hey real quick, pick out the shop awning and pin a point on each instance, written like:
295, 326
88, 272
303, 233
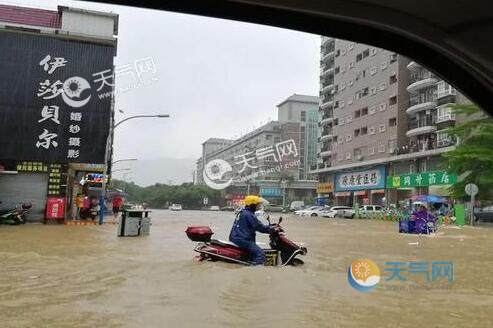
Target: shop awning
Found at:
360, 193
378, 191
342, 194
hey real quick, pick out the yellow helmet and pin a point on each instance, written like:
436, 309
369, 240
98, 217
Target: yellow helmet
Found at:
252, 200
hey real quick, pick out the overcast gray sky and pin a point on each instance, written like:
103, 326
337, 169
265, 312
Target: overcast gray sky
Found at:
216, 78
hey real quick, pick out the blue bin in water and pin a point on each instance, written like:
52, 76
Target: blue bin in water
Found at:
404, 226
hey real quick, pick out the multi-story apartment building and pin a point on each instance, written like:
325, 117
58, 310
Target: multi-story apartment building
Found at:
298, 120
428, 110
246, 156
231, 152
209, 146
362, 100
327, 92
381, 116
429, 115
270, 173
368, 99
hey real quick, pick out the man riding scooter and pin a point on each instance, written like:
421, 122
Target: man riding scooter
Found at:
244, 227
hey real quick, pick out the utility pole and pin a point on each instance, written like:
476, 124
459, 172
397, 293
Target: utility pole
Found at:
113, 125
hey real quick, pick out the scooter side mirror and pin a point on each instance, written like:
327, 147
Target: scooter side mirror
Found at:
280, 220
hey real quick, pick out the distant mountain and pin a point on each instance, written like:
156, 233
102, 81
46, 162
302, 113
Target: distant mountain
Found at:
162, 170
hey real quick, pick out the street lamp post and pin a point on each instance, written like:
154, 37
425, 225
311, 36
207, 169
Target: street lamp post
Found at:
110, 134
124, 160
140, 116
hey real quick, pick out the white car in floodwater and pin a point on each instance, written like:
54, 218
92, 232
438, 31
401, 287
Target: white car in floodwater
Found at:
311, 211
365, 211
175, 207
335, 211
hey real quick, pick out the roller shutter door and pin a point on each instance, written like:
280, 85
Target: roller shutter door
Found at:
25, 187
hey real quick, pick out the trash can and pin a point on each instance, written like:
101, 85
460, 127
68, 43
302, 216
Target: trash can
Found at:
134, 222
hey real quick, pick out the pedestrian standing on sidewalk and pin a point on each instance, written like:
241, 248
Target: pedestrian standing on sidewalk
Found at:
79, 203
117, 204
94, 208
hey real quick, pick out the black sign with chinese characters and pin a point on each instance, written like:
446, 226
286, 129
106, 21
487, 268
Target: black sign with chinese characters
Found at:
57, 181
55, 98
57, 175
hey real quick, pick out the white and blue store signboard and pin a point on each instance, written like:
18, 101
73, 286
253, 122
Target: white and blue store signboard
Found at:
271, 192
361, 180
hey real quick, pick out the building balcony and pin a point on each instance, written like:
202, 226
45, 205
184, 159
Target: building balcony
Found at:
326, 40
327, 88
326, 121
326, 137
446, 118
444, 90
329, 55
427, 144
445, 114
327, 71
324, 165
413, 66
444, 93
422, 82
447, 100
327, 104
326, 153
419, 130
420, 107
444, 139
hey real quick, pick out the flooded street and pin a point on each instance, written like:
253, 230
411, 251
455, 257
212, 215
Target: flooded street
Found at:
85, 276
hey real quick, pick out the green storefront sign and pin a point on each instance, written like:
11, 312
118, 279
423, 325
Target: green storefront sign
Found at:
421, 179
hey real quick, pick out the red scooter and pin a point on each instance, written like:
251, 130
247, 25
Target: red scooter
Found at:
217, 250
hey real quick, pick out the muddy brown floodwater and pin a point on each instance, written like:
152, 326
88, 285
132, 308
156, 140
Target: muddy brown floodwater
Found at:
85, 276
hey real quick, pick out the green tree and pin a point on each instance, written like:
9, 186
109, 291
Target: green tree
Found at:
161, 195
472, 159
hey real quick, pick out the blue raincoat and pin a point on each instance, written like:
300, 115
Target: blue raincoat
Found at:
243, 232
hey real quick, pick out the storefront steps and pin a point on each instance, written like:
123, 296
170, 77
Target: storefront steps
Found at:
88, 223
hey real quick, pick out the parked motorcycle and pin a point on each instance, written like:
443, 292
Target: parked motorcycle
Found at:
16, 215
218, 250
